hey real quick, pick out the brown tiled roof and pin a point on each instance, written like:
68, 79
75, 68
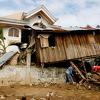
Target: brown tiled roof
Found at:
17, 16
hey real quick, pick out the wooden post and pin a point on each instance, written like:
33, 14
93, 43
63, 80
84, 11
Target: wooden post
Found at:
28, 58
77, 70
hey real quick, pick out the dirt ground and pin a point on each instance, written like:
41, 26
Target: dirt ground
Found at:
48, 92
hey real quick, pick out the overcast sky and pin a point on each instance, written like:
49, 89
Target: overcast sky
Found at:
68, 12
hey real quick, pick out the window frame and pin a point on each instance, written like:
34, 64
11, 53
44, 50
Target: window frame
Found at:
48, 41
13, 32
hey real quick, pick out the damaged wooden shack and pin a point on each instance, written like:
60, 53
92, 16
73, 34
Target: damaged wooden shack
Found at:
58, 45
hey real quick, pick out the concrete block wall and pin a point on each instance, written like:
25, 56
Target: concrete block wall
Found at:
24, 75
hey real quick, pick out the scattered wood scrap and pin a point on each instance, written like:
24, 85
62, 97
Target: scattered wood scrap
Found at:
93, 79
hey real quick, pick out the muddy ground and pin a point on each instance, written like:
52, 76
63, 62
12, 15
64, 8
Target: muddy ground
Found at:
48, 92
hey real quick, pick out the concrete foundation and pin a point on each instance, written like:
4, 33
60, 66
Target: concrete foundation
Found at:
34, 75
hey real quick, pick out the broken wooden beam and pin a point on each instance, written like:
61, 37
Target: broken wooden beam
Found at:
77, 70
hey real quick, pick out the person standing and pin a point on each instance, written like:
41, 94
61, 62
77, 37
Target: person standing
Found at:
69, 74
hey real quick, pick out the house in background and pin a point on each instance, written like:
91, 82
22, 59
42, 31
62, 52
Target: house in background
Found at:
13, 25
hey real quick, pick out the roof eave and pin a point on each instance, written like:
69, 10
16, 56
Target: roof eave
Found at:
12, 21
42, 8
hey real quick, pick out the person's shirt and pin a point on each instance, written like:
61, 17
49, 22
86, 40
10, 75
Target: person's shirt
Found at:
69, 70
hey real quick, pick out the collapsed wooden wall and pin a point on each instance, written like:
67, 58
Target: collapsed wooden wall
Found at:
70, 46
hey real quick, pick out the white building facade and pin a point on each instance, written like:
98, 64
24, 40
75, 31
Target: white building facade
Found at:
12, 25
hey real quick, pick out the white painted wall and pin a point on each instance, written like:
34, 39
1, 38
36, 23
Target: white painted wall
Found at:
35, 19
9, 39
32, 20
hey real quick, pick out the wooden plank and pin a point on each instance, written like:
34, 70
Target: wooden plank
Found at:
77, 70
65, 46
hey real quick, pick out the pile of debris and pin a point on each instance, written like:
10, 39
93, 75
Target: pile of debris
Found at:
90, 80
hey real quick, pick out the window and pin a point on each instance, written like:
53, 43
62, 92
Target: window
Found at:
51, 41
13, 32
39, 16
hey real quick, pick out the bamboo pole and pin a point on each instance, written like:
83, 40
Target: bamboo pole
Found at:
77, 70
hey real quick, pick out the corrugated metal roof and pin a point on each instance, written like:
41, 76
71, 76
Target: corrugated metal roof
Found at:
72, 28
6, 57
59, 28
